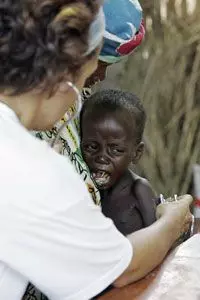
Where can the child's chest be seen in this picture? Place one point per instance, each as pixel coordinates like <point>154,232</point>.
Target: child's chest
<point>121,205</point>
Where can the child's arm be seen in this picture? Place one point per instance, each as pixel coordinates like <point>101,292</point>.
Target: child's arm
<point>146,199</point>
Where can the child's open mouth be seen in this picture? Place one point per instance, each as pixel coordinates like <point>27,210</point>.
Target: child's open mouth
<point>101,178</point>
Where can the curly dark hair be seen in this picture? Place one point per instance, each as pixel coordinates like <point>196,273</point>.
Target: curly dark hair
<point>113,101</point>
<point>38,46</point>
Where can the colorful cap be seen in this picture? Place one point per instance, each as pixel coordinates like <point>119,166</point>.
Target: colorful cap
<point>124,29</point>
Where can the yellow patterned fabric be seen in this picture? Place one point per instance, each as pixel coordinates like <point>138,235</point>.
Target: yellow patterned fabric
<point>69,146</point>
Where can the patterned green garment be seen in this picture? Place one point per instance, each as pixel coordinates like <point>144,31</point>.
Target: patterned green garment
<point>33,294</point>
<point>68,145</point>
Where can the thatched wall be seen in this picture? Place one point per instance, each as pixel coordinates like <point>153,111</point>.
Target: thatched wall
<point>165,72</point>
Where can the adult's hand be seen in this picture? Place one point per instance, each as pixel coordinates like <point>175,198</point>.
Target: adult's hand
<point>151,244</point>
<point>178,210</point>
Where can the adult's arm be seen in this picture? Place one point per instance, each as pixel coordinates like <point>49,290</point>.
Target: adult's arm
<point>51,232</point>
<point>150,245</point>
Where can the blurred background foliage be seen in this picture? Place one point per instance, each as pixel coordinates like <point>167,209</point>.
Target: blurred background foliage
<point>165,73</point>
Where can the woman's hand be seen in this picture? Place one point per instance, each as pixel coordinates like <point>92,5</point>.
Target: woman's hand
<point>151,244</point>
<point>179,211</point>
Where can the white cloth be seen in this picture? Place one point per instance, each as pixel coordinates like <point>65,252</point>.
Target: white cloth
<point>51,232</point>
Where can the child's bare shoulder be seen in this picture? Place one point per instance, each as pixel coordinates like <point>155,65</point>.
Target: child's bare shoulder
<point>145,197</point>
<point>141,183</point>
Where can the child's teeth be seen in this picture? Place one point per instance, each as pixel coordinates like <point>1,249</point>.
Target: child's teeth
<point>100,174</point>
<point>101,177</point>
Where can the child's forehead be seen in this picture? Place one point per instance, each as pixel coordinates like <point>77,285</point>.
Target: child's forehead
<point>123,118</point>
<point>100,114</point>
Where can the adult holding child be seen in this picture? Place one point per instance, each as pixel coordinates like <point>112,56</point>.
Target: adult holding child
<point>49,227</point>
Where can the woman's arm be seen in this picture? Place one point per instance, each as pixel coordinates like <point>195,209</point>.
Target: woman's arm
<point>150,245</point>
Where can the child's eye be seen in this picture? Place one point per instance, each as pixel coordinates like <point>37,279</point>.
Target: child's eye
<point>117,151</point>
<point>90,147</point>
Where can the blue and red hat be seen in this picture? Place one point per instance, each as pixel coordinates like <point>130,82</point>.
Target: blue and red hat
<point>124,29</point>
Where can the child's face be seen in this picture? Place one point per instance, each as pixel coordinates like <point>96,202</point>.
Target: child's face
<point>108,147</point>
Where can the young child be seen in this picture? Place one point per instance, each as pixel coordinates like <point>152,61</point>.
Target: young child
<point>112,125</point>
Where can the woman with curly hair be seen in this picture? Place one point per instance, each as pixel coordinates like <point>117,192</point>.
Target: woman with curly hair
<point>51,232</point>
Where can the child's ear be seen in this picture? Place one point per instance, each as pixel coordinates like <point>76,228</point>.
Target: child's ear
<point>138,152</point>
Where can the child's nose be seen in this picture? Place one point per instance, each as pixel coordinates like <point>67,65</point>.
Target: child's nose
<point>102,157</point>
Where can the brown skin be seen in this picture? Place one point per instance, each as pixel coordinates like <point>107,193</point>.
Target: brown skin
<point>107,146</point>
<point>156,240</point>
<point>174,218</point>
<point>98,75</point>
